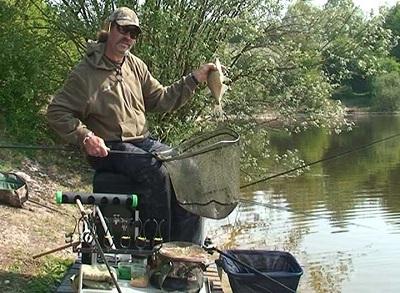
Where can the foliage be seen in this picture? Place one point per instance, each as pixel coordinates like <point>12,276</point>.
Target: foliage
<point>392,22</point>
<point>42,279</point>
<point>352,59</point>
<point>389,64</point>
<point>356,43</point>
<point>30,69</point>
<point>285,57</point>
<point>51,273</point>
<point>386,92</point>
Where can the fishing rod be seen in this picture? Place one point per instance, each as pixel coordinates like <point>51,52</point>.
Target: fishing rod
<point>69,148</point>
<point>245,201</point>
<point>38,147</point>
<point>92,231</point>
<point>338,155</point>
<point>51,208</point>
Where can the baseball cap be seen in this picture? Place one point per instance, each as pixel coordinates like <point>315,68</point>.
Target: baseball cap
<point>124,16</point>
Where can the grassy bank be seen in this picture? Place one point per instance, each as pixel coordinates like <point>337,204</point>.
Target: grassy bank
<point>33,229</point>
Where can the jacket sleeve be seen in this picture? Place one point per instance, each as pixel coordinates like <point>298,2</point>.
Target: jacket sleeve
<point>158,98</point>
<point>66,110</point>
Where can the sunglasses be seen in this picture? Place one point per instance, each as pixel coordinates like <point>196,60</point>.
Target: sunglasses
<point>132,30</point>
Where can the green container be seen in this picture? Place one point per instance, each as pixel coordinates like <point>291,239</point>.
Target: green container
<point>124,270</point>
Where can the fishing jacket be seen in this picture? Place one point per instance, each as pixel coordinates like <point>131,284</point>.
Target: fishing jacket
<point>111,100</point>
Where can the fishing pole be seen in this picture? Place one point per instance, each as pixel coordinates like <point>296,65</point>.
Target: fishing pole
<point>69,148</point>
<point>242,200</point>
<point>61,148</point>
<point>50,208</point>
<point>38,147</point>
<point>92,231</point>
<point>321,160</point>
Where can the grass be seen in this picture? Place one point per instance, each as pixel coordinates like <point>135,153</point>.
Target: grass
<point>48,275</point>
<point>33,229</point>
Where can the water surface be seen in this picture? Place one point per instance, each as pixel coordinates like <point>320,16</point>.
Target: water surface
<point>340,219</point>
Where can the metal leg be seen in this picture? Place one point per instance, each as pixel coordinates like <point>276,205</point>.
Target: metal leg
<point>105,227</point>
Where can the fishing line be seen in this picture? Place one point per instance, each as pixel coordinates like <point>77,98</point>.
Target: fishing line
<point>321,160</point>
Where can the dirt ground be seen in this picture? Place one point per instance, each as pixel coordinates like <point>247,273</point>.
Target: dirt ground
<point>34,228</point>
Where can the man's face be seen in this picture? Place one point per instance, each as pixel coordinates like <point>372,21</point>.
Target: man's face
<point>121,39</point>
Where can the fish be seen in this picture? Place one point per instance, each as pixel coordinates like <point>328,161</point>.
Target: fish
<point>215,82</point>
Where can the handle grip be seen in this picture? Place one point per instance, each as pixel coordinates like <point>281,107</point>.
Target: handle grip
<point>130,200</point>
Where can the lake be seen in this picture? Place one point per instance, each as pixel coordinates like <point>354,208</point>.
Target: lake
<point>340,218</point>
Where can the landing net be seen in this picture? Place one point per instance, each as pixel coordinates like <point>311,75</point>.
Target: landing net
<point>205,173</point>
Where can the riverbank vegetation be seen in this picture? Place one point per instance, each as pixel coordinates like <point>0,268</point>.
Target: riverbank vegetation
<point>301,62</point>
<point>286,57</point>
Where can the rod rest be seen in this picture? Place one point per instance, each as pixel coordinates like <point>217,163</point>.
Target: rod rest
<point>101,199</point>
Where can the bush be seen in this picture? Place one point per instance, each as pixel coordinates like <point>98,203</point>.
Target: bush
<point>386,92</point>
<point>30,71</point>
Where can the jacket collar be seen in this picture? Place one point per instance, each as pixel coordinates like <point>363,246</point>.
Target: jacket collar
<point>96,58</point>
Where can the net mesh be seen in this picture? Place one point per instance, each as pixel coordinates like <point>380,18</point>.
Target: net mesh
<point>205,173</point>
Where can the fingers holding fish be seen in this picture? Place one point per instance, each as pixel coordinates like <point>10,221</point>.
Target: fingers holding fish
<point>202,73</point>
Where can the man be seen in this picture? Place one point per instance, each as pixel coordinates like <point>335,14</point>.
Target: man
<point>102,106</point>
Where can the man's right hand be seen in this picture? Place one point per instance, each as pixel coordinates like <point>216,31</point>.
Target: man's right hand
<point>202,73</point>
<point>95,146</point>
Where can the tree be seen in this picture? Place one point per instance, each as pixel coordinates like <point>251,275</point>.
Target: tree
<point>386,92</point>
<point>285,57</point>
<point>30,68</point>
<point>392,22</point>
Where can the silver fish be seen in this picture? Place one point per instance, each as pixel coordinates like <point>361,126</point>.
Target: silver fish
<point>215,82</point>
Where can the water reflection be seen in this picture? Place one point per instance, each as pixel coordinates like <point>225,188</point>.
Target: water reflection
<point>341,218</point>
